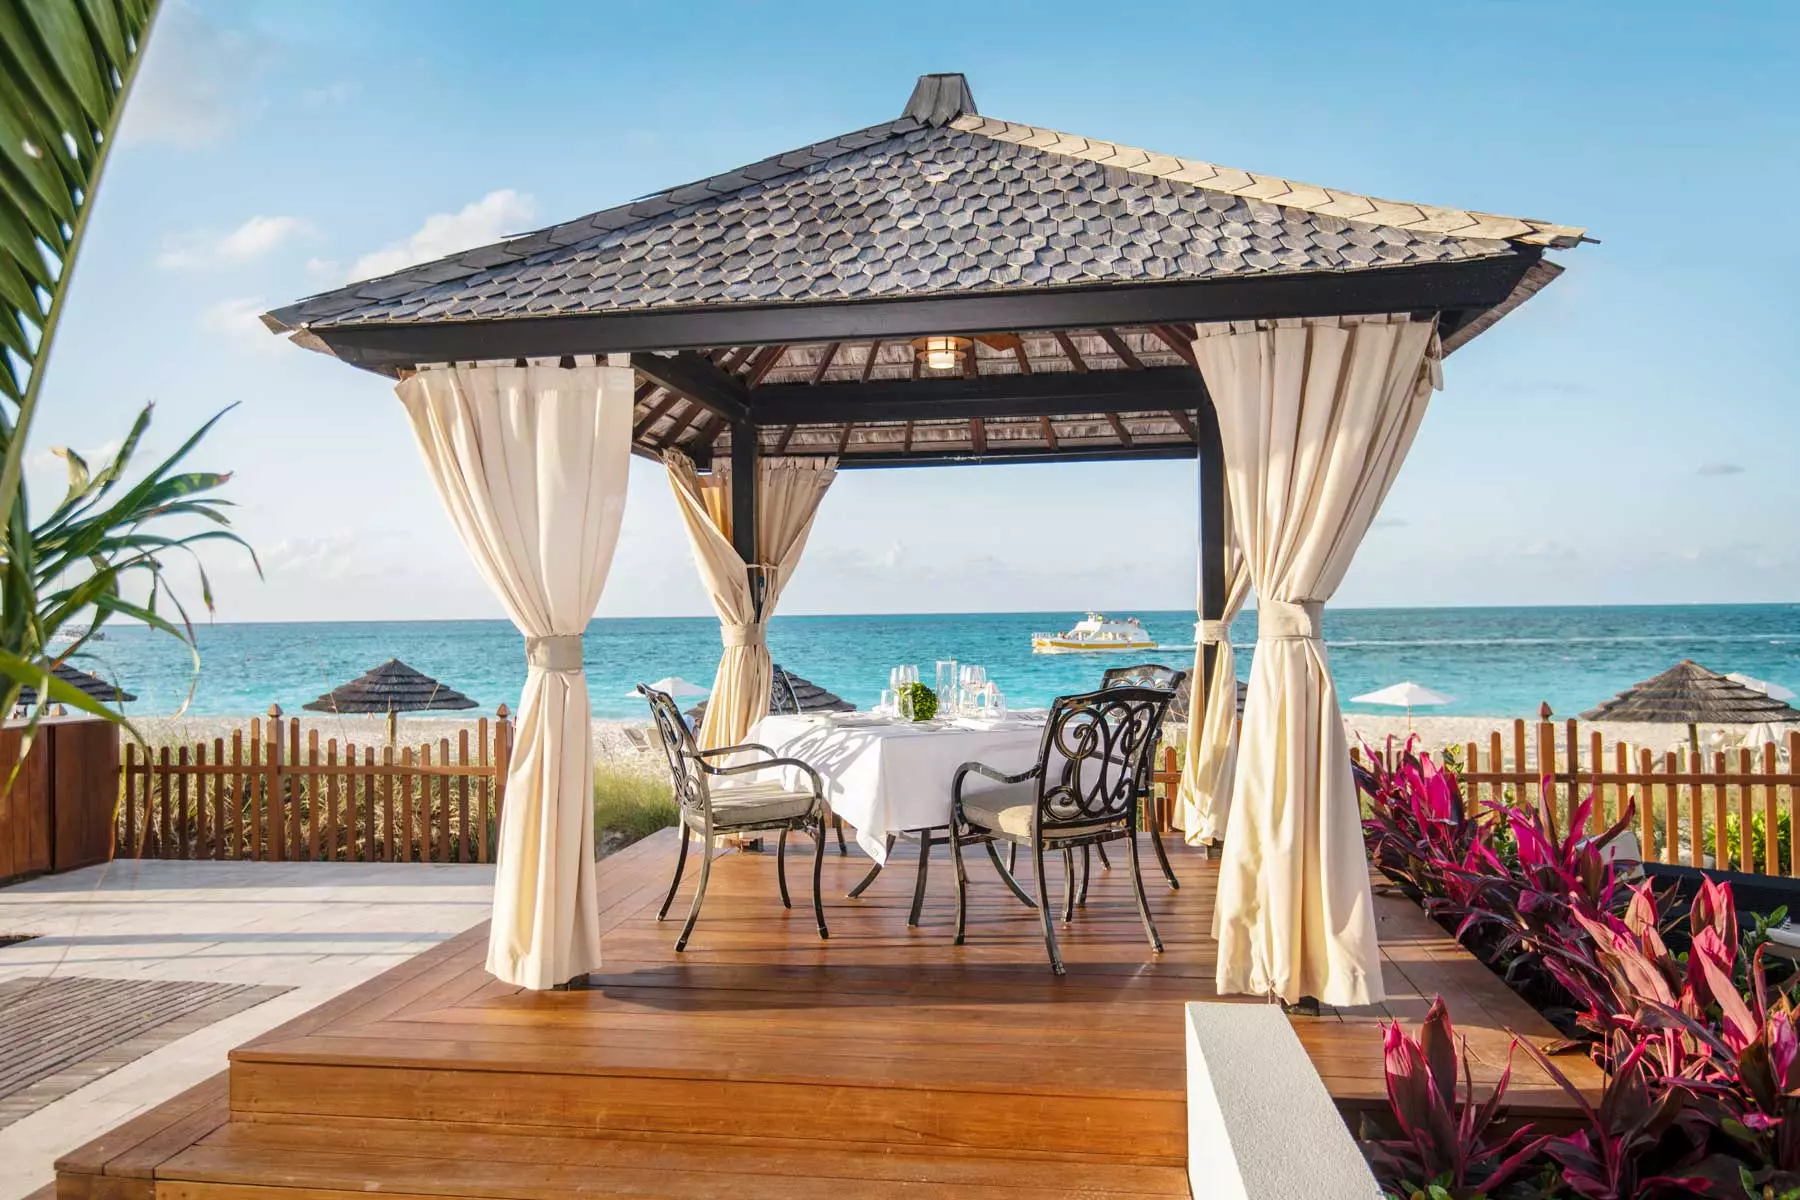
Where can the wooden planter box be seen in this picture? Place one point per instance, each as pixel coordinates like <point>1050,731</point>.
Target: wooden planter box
<point>58,813</point>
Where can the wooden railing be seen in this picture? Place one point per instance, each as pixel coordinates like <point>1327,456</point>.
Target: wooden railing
<point>1682,802</point>
<point>275,793</point>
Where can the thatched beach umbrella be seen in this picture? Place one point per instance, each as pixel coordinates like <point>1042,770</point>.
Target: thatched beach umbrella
<point>93,685</point>
<point>789,693</point>
<point>1689,694</point>
<point>391,688</point>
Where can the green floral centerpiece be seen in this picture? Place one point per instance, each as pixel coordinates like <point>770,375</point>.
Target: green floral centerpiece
<point>921,699</point>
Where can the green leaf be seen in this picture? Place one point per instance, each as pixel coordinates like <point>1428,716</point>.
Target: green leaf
<point>68,66</point>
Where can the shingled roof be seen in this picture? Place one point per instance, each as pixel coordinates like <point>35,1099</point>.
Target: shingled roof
<point>1066,260</point>
<point>944,201</point>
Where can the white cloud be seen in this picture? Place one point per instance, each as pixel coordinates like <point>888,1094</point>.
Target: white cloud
<point>239,321</point>
<point>1719,469</point>
<point>336,556</point>
<point>196,82</point>
<point>488,219</point>
<point>250,241</point>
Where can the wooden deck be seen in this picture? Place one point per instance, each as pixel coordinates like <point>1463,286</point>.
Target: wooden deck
<point>764,1063</point>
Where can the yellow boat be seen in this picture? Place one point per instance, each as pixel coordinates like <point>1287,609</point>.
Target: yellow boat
<point>1096,632</point>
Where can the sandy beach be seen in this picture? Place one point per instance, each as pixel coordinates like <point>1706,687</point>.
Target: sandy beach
<point>631,744</point>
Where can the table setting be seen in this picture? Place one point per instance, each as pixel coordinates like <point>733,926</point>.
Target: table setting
<point>888,771</point>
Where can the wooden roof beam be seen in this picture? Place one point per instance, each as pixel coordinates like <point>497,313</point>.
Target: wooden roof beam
<point>1119,428</point>
<point>762,364</point>
<point>1068,348</point>
<point>1126,355</point>
<point>699,379</point>
<point>1058,393</point>
<point>869,362</point>
<point>1173,340</point>
<point>657,410</point>
<point>831,349</point>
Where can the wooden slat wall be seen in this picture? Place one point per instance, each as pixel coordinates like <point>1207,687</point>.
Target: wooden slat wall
<point>1675,798</point>
<point>281,793</point>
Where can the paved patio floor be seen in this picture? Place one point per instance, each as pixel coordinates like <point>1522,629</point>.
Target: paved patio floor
<point>315,929</point>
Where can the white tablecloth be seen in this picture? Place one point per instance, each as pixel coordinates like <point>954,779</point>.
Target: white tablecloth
<point>884,778</point>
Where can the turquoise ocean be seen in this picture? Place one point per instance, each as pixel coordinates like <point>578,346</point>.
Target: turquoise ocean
<point>1494,661</point>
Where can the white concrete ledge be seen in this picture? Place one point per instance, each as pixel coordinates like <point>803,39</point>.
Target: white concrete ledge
<point>1261,1125</point>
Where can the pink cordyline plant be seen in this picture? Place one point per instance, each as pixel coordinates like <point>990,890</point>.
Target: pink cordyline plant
<point>1446,1141</point>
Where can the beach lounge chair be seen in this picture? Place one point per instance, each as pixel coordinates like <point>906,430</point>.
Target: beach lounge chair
<point>715,796</point>
<point>1084,791</point>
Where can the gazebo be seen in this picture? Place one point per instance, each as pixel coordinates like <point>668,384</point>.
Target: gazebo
<point>946,287</point>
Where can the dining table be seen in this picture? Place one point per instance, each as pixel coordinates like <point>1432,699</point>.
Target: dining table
<point>885,776</point>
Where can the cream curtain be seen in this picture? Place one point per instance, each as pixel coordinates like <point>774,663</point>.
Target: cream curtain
<point>1316,417</point>
<point>1204,798</point>
<point>530,462</point>
<point>788,493</point>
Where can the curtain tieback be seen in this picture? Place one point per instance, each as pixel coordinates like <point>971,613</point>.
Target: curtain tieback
<point>1282,620</point>
<point>1211,633</point>
<point>555,652</point>
<point>741,635</point>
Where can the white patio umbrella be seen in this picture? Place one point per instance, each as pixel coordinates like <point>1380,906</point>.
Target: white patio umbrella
<point>1773,691</point>
<point>1765,731</point>
<point>1407,695</point>
<point>674,686</point>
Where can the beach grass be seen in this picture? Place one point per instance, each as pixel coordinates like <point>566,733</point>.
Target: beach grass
<point>631,804</point>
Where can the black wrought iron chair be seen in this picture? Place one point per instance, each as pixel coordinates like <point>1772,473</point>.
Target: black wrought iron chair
<point>1084,791</point>
<point>759,806</point>
<point>1168,679</point>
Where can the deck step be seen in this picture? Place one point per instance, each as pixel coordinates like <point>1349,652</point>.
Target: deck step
<point>1147,1127</point>
<point>244,1160</point>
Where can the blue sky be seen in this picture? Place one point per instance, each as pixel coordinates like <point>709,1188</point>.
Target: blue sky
<point>1627,437</point>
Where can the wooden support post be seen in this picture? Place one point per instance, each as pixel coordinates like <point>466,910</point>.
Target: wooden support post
<point>1213,533</point>
<point>744,456</point>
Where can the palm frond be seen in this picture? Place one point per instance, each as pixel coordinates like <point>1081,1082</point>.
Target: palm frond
<point>68,66</point>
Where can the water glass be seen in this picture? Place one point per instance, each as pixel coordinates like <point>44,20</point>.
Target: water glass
<point>947,683</point>
<point>890,702</point>
<point>903,705</point>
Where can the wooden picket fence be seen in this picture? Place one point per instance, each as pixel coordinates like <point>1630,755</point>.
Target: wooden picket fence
<point>276,793</point>
<point>1681,805</point>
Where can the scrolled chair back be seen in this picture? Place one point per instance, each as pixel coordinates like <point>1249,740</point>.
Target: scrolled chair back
<point>1153,675</point>
<point>1094,749</point>
<point>678,745</point>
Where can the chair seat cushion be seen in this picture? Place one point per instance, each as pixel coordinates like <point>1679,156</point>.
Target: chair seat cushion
<point>748,805</point>
<point>1005,810</point>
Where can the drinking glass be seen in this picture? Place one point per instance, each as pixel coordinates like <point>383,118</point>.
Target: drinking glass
<point>947,683</point>
<point>909,673</point>
<point>890,702</point>
<point>996,702</point>
<point>903,705</point>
